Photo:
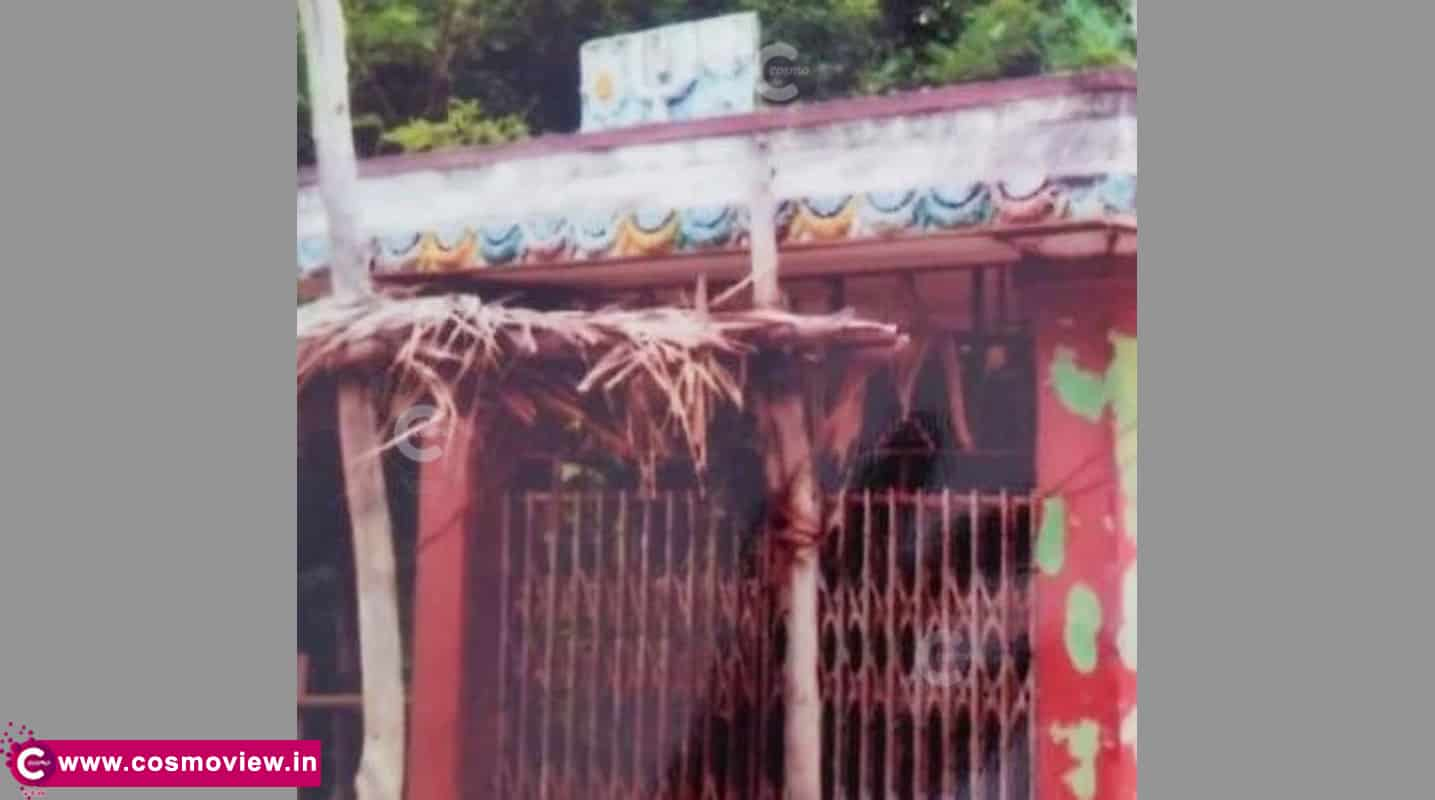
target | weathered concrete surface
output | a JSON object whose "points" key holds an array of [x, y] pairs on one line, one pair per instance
{"points": [[1019, 143]]}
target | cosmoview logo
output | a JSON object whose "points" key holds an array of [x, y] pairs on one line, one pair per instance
{"points": [[417, 418], [31, 762], [776, 68], [38, 766], [35, 763], [943, 658]]}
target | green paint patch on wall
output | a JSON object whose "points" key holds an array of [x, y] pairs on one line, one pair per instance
{"points": [[1086, 394], [1121, 379], [1082, 740], [1082, 392], [1083, 622], [1051, 540]]}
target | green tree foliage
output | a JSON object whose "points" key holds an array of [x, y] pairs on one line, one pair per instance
{"points": [[1024, 37], [464, 126], [834, 40], [431, 74]]}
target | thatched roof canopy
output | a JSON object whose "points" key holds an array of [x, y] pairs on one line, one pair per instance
{"points": [[639, 381]]}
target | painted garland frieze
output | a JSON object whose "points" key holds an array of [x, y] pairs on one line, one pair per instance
{"points": [[650, 232]]}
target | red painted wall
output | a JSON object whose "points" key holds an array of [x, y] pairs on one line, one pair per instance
{"points": [[1086, 679], [438, 712], [455, 688]]}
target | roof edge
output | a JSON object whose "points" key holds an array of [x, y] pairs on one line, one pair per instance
{"points": [[917, 101]]}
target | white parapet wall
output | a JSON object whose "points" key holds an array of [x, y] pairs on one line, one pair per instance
{"points": [[1018, 144]]}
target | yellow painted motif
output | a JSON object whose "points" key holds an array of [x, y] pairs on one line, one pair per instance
{"points": [[807, 226], [634, 241], [603, 87], [432, 257]]}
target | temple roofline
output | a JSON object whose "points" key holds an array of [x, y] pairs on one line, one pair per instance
{"points": [[914, 102]]}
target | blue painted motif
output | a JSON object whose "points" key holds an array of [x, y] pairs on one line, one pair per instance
{"points": [[1118, 193], [884, 212], [711, 226], [595, 233], [395, 250], [1100, 196], [827, 205], [548, 237], [955, 205], [652, 220], [500, 244], [313, 253]]}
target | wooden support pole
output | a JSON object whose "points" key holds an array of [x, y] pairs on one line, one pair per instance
{"points": [[381, 766], [762, 237], [797, 522], [327, 63]]}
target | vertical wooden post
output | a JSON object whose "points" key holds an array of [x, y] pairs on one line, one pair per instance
{"points": [[444, 588], [762, 236], [325, 57], [381, 767], [792, 482]]}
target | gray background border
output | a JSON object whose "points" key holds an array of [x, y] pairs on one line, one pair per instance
{"points": [[147, 565], [147, 558], [1283, 289]]}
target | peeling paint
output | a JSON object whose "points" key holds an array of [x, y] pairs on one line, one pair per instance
{"points": [[1126, 639], [1051, 541], [1083, 621], [1082, 392], [1082, 740], [1121, 389], [1128, 730]]}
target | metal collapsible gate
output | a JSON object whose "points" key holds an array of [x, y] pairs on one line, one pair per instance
{"points": [[641, 647], [628, 648], [926, 669]]}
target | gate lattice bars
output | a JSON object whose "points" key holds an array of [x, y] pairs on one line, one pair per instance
{"points": [[926, 629], [641, 642], [627, 643]]}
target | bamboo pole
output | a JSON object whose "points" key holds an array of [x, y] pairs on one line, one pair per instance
{"points": [[325, 57], [381, 765], [796, 523], [762, 235]]}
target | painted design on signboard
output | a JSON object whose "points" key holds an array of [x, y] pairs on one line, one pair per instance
{"points": [[690, 70]]}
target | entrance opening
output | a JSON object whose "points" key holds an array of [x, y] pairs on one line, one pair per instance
{"points": [[643, 637]]}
